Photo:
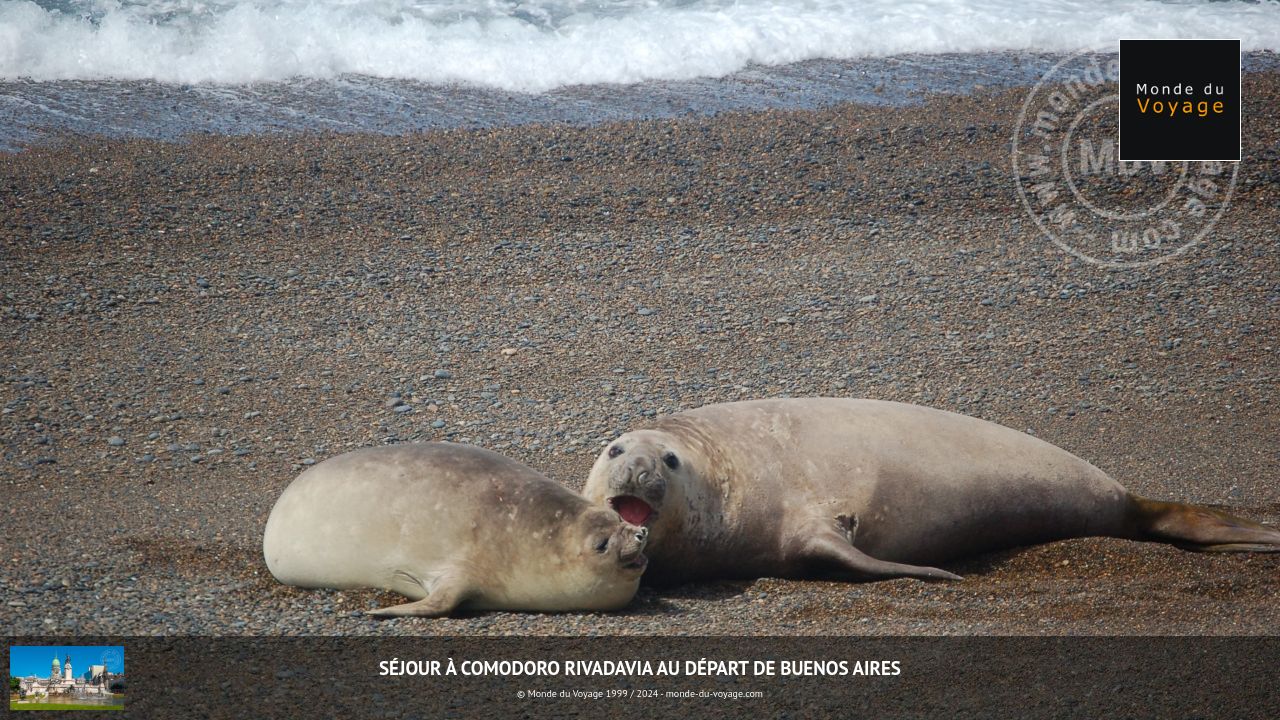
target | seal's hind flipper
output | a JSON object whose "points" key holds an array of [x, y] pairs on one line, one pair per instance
{"points": [[831, 548], [1200, 529], [444, 598]]}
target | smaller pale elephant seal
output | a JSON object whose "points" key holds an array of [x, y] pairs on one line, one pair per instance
{"points": [[451, 526]]}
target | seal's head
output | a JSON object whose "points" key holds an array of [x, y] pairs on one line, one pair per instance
{"points": [[608, 560], [641, 475]]}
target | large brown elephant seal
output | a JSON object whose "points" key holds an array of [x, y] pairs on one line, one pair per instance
{"points": [[451, 525], [868, 489]]}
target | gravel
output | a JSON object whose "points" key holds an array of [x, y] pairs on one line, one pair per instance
{"points": [[855, 251]]}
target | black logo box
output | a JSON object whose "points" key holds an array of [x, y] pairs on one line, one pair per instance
{"points": [[1157, 80]]}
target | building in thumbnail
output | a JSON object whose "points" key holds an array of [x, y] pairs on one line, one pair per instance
{"points": [[63, 681]]}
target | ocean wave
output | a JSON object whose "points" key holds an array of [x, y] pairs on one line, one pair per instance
{"points": [[543, 44]]}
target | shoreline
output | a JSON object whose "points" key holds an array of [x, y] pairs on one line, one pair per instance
{"points": [[187, 324], [45, 114]]}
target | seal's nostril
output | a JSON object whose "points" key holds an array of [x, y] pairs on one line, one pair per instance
{"points": [[644, 475], [644, 533]]}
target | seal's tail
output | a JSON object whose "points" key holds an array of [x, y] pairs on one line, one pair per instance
{"points": [[1192, 527]]}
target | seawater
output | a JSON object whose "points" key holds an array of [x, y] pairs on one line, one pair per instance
{"points": [[538, 45], [170, 68]]}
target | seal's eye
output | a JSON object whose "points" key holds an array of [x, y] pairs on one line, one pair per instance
{"points": [[602, 545], [671, 460], [615, 451]]}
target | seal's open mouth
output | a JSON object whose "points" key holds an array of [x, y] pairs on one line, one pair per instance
{"points": [[632, 509], [638, 564]]}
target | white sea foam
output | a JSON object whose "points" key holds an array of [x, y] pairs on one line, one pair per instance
{"points": [[542, 44]]}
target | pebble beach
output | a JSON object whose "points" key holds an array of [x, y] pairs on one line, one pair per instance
{"points": [[188, 325]]}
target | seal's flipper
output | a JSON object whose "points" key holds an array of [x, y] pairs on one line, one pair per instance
{"points": [[832, 548], [1200, 529], [444, 598]]}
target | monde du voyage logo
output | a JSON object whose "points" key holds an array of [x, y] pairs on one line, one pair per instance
{"points": [[1129, 161]]}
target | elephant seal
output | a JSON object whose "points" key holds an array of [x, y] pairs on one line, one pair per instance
{"points": [[451, 525], [868, 489]]}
